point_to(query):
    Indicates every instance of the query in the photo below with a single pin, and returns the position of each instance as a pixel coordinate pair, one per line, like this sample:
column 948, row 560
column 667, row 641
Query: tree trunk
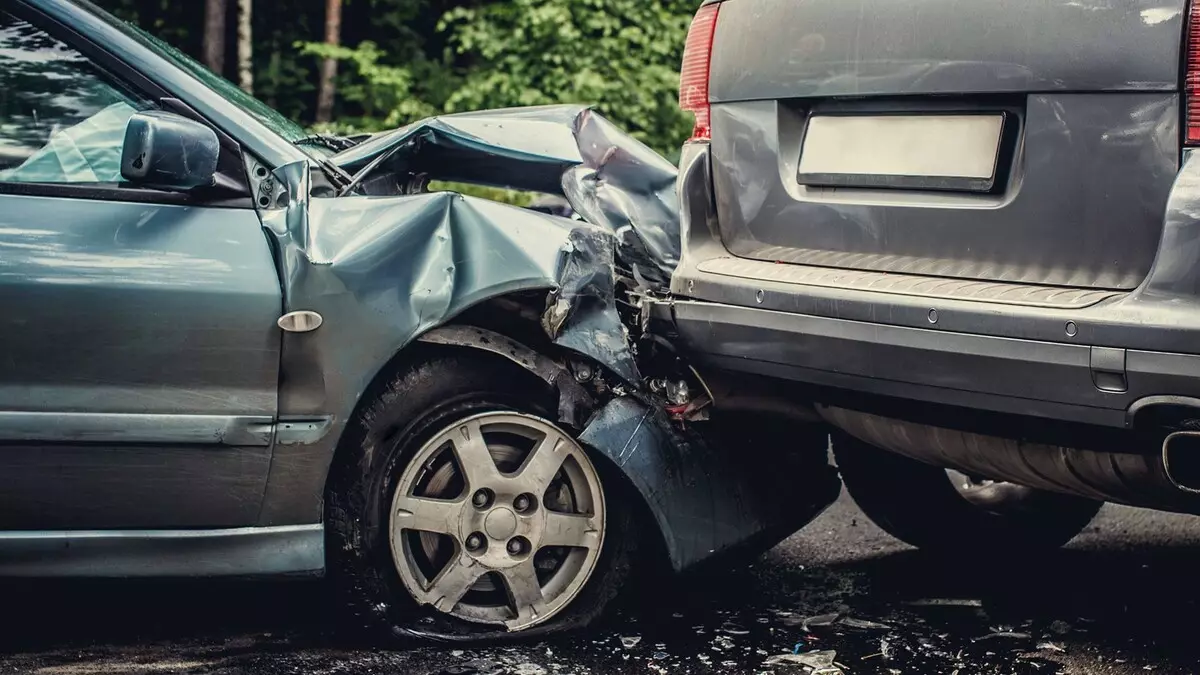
column 245, row 47
column 214, row 35
column 333, row 36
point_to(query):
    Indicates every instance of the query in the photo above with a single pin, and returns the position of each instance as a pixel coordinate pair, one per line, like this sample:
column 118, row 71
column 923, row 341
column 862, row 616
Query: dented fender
column 702, row 502
column 386, row 264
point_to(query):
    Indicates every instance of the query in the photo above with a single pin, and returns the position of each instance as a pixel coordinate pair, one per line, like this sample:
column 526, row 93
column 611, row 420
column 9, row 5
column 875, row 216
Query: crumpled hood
column 610, row 179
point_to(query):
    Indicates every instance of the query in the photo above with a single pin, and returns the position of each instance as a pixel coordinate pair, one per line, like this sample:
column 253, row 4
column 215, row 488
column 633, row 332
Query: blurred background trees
column 364, row 65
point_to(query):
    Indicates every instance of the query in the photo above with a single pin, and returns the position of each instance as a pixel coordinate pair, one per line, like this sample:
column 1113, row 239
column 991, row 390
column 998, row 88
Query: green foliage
column 514, row 197
column 388, row 95
column 402, row 60
column 620, row 55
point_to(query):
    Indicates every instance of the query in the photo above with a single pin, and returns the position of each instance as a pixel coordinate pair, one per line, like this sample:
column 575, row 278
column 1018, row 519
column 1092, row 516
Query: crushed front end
column 582, row 302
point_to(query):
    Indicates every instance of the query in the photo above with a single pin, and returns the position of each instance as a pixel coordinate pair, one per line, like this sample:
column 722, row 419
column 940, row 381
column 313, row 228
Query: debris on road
column 1004, row 634
column 821, row 662
column 832, row 619
column 863, row 624
column 820, row 621
column 945, row 602
column 1051, row 647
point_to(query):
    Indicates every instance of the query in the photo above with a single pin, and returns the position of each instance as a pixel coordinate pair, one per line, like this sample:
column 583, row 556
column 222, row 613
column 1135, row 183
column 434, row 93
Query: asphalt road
column 1121, row 599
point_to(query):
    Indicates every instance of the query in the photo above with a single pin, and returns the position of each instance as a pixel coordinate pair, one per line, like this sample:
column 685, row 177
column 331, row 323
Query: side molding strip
column 136, row 428
column 249, row 551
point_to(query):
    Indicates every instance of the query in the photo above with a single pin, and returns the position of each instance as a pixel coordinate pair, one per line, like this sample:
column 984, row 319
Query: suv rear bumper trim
column 1022, row 377
column 937, row 288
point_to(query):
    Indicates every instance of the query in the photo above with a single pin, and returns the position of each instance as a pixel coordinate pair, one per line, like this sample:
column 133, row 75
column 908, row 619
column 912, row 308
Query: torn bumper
column 714, row 491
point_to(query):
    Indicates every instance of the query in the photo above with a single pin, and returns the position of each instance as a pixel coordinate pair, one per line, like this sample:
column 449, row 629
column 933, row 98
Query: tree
column 329, row 65
column 214, row 35
column 621, row 55
column 245, row 47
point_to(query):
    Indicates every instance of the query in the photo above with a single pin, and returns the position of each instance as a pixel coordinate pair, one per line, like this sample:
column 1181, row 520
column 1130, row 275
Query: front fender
column 381, row 271
column 708, row 492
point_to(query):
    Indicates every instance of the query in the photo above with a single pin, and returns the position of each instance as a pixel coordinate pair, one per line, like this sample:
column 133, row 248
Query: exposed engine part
column 677, row 392
column 583, row 372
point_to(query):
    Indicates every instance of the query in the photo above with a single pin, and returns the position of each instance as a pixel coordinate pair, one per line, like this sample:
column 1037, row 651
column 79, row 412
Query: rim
column 498, row 519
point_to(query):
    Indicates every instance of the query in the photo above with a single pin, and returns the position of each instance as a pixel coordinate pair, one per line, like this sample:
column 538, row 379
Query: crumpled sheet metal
column 611, row 179
column 707, row 493
column 384, row 270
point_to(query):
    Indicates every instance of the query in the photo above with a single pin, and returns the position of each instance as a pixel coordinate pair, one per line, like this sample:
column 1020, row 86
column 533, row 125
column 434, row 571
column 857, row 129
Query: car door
column 138, row 347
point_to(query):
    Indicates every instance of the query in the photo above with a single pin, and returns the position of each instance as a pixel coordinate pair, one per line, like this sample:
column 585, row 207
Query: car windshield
column 270, row 117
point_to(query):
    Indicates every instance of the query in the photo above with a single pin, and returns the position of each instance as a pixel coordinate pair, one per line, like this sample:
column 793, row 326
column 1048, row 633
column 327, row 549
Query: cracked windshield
column 591, row 337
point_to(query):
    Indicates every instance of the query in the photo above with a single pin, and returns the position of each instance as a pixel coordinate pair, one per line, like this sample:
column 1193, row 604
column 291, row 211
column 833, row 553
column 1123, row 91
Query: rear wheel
column 469, row 505
column 949, row 512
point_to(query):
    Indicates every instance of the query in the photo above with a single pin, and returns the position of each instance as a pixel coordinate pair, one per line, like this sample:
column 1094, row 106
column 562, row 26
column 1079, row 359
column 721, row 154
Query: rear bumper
column 1091, row 362
column 1022, row 377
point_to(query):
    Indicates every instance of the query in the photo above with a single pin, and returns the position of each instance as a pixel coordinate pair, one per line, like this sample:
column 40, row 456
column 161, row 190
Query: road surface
column 1122, row 599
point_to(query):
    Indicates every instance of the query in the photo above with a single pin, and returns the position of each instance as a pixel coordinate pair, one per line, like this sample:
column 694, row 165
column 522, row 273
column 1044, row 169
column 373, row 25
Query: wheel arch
column 500, row 329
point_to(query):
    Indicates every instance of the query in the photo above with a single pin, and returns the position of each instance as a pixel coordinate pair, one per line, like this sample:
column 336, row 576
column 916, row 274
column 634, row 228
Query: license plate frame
column 904, row 151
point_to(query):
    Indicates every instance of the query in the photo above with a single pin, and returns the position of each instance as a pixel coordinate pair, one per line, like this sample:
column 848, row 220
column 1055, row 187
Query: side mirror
column 169, row 152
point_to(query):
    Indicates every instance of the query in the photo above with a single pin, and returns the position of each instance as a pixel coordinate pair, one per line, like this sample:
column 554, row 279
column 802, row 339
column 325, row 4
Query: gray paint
column 64, row 427
column 164, row 553
column 386, row 268
column 1084, row 207
column 1006, row 358
column 688, row 478
column 169, row 309
column 1161, row 315
column 866, row 47
column 172, row 311
column 98, row 486
column 120, row 313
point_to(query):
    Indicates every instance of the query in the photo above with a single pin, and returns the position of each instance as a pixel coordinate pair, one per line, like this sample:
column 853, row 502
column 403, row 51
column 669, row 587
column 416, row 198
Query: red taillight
column 693, row 76
column 1191, row 80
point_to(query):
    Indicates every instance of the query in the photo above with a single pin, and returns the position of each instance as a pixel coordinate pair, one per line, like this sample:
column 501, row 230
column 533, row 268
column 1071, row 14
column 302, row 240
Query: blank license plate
column 938, row 152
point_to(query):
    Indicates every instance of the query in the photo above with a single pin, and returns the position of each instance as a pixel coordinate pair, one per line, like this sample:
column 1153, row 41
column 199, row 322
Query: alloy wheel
column 498, row 519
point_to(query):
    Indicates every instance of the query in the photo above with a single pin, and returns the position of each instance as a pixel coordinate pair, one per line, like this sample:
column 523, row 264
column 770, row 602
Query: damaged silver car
column 231, row 348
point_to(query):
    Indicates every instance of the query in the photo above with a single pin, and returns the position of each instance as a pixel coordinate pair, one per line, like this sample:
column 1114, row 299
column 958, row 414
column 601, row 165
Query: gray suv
column 966, row 240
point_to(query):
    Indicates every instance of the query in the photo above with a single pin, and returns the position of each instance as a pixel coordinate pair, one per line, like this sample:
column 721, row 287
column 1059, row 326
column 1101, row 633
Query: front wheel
column 469, row 502
column 946, row 512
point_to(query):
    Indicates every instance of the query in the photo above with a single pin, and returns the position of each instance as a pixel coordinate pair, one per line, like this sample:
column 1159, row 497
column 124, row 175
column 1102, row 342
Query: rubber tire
column 415, row 405
column 918, row 504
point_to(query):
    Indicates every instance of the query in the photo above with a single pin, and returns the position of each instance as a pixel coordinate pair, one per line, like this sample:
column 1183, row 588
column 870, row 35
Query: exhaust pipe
column 1165, row 477
column 1181, row 459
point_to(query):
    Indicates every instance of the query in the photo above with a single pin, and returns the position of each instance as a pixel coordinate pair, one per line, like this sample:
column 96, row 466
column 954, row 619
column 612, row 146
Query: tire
column 920, row 505
column 380, row 576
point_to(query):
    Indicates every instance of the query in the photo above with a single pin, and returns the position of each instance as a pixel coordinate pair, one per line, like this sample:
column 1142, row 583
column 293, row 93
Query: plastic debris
column 1051, row 647
column 863, row 624
column 721, row 643
column 820, row 620
column 945, row 602
column 819, row 662
column 631, row 641
column 1004, row 634
column 885, row 649
column 835, row 618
